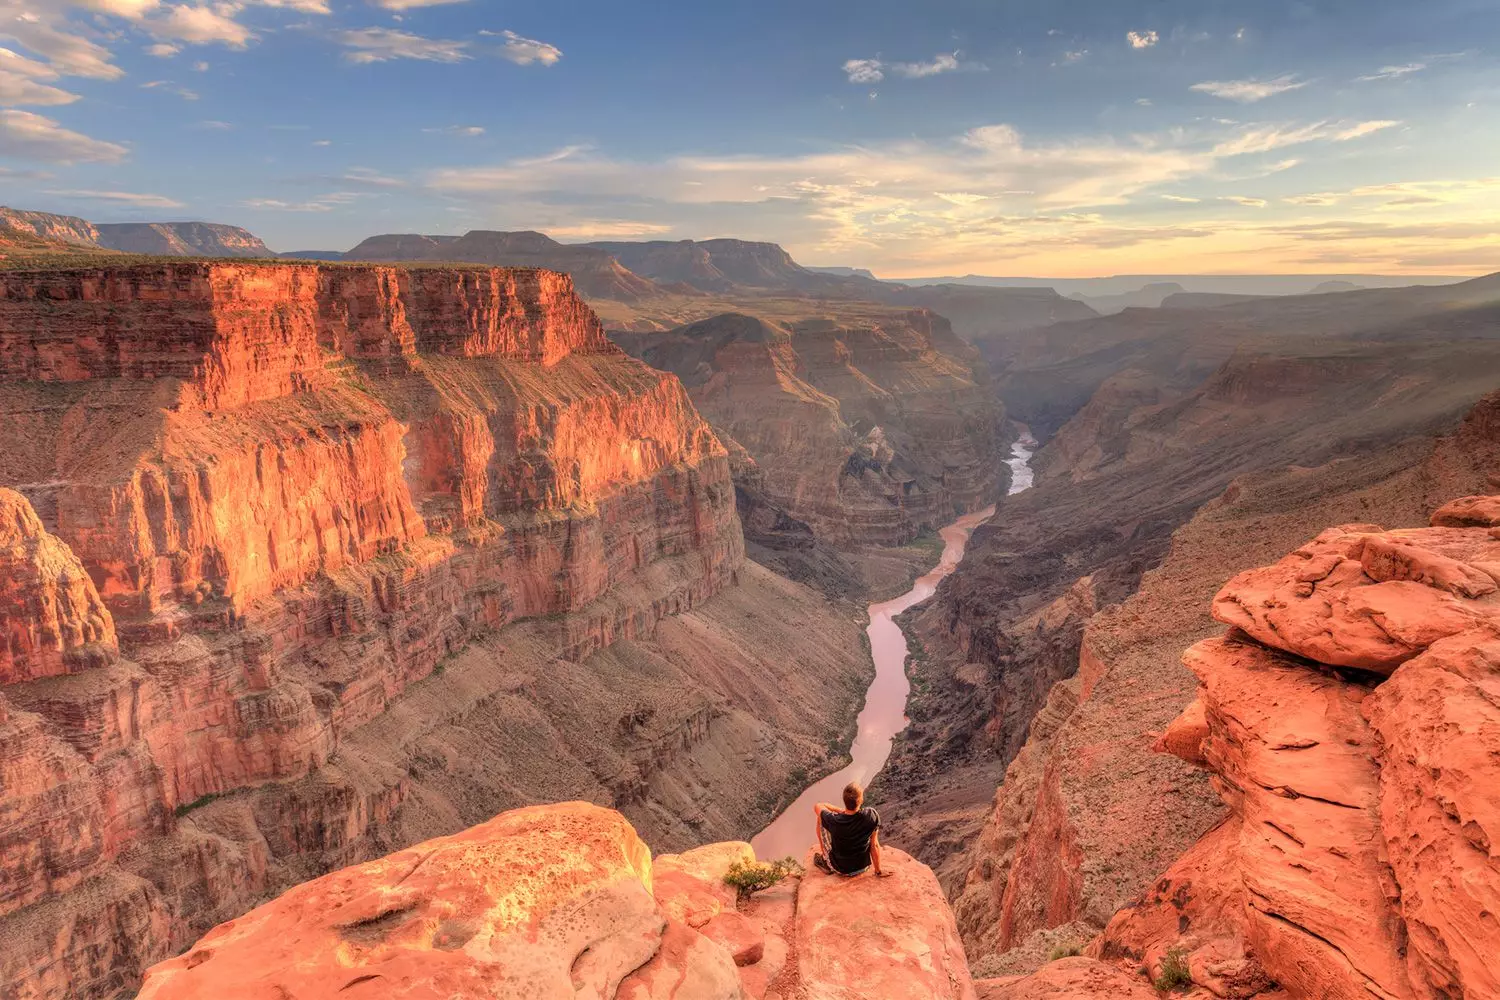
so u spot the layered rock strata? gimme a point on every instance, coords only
(566, 901)
(1358, 857)
(250, 507)
(858, 434)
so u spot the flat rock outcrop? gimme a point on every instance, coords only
(1357, 858)
(565, 901)
(304, 564)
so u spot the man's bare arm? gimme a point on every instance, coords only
(875, 855)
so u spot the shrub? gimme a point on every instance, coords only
(1064, 951)
(1174, 972)
(749, 877)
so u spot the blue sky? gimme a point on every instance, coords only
(948, 136)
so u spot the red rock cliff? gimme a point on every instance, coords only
(1359, 856)
(249, 506)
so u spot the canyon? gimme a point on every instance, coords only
(304, 564)
(876, 431)
(1191, 452)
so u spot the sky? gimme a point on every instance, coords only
(1002, 137)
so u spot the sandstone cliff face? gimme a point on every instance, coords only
(47, 226)
(253, 509)
(566, 901)
(1357, 858)
(181, 239)
(863, 434)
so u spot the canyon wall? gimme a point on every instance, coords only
(303, 564)
(870, 432)
(1047, 664)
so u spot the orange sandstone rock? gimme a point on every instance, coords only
(1438, 719)
(51, 618)
(1356, 598)
(892, 938)
(1068, 979)
(550, 901)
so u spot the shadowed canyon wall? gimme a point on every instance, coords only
(303, 564)
(870, 432)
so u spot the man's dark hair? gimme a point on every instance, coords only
(853, 795)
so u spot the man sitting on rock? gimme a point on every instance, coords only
(849, 837)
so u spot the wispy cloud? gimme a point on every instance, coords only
(28, 136)
(527, 51)
(373, 45)
(411, 4)
(323, 203)
(1142, 39)
(1250, 91)
(466, 131)
(168, 87)
(1244, 201)
(121, 198)
(1181, 199)
(1393, 72)
(868, 71)
(202, 25)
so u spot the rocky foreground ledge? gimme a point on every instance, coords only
(565, 901)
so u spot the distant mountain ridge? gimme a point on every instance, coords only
(724, 265)
(1219, 284)
(167, 239)
(596, 272)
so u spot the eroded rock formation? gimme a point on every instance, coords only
(565, 901)
(304, 564)
(868, 433)
(1358, 855)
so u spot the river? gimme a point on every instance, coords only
(884, 713)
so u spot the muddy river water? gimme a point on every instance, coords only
(884, 713)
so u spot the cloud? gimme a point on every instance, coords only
(1246, 202)
(42, 31)
(167, 86)
(864, 71)
(941, 63)
(373, 45)
(1075, 55)
(607, 229)
(27, 136)
(526, 51)
(163, 50)
(21, 82)
(1182, 199)
(466, 131)
(1250, 91)
(1142, 39)
(1392, 72)
(129, 9)
(1262, 138)
(304, 6)
(1312, 200)
(216, 126)
(121, 198)
(324, 203)
(411, 4)
(1363, 129)
(366, 177)
(203, 25)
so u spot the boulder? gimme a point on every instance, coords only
(1355, 597)
(550, 901)
(892, 938)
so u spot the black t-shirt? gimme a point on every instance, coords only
(849, 838)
